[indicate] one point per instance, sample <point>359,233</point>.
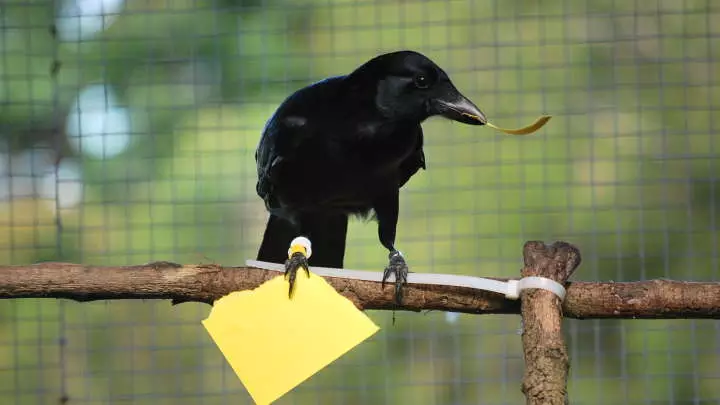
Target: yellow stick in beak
<point>539,123</point>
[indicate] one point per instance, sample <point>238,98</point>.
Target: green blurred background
<point>135,123</point>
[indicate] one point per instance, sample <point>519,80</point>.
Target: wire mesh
<point>128,130</point>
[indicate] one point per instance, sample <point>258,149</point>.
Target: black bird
<point>345,146</point>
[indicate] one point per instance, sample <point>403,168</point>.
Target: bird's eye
<point>421,81</point>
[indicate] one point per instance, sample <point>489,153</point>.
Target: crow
<point>344,146</point>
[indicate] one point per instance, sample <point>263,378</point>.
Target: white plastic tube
<point>510,289</point>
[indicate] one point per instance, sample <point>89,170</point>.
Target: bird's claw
<point>296,261</point>
<point>399,268</point>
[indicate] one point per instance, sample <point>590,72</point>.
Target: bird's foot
<point>296,261</point>
<point>399,268</point>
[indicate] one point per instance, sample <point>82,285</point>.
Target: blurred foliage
<point>627,170</point>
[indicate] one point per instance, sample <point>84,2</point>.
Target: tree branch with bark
<point>661,299</point>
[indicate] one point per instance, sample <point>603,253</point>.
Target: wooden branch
<point>206,283</point>
<point>546,358</point>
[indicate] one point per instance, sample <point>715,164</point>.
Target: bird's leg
<point>386,210</point>
<point>297,258</point>
<point>399,268</point>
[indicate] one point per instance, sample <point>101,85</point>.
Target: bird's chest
<point>347,174</point>
<point>377,149</point>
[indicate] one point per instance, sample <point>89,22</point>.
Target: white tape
<point>515,286</point>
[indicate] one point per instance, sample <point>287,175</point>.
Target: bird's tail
<point>327,234</point>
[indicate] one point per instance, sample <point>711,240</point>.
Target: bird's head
<point>411,86</point>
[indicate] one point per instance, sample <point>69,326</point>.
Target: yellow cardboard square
<point>274,343</point>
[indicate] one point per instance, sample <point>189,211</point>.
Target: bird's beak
<point>459,108</point>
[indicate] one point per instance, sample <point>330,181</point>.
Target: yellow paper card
<point>274,343</point>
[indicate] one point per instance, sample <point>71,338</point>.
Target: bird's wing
<point>277,147</point>
<point>290,131</point>
<point>265,156</point>
<point>414,162</point>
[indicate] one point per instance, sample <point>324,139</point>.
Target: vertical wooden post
<point>546,358</point>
